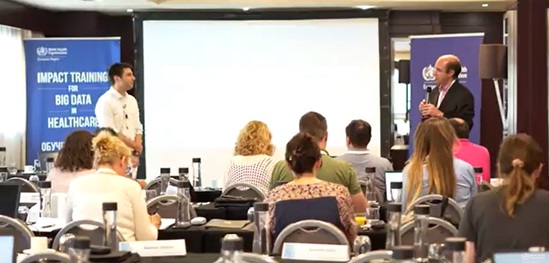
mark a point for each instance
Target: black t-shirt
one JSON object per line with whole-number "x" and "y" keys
{"x": 486, "y": 223}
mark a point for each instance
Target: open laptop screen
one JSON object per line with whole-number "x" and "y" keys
{"x": 7, "y": 245}
{"x": 389, "y": 178}
{"x": 9, "y": 199}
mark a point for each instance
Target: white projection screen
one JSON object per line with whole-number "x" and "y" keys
{"x": 204, "y": 80}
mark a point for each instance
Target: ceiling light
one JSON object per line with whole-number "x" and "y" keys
{"x": 484, "y": 5}
{"x": 129, "y": 10}
{"x": 364, "y": 7}
{"x": 245, "y": 9}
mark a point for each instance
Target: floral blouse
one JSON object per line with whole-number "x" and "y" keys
{"x": 307, "y": 191}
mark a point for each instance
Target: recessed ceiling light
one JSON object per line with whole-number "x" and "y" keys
{"x": 364, "y": 7}
{"x": 484, "y": 5}
{"x": 129, "y": 10}
{"x": 245, "y": 9}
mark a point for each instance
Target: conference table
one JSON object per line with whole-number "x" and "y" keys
{"x": 203, "y": 258}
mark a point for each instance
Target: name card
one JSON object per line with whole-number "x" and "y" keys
{"x": 159, "y": 248}
{"x": 315, "y": 252}
{"x": 29, "y": 198}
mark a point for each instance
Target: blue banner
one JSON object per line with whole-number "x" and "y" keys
{"x": 65, "y": 77}
{"x": 424, "y": 51}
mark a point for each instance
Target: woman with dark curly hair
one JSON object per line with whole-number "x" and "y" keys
{"x": 73, "y": 160}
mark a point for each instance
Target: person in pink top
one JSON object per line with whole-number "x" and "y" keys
{"x": 472, "y": 153}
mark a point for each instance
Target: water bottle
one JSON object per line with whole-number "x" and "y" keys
{"x": 421, "y": 224}
{"x": 197, "y": 172}
{"x": 3, "y": 157}
{"x": 232, "y": 249}
{"x": 261, "y": 243}
{"x": 79, "y": 252}
{"x": 45, "y": 193}
{"x": 33, "y": 178}
{"x": 456, "y": 246}
{"x": 49, "y": 164}
{"x": 183, "y": 219}
{"x": 109, "y": 220}
{"x": 164, "y": 180}
{"x": 3, "y": 174}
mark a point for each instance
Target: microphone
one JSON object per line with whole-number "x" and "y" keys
{"x": 427, "y": 94}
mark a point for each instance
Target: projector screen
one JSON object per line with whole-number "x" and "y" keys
{"x": 204, "y": 80}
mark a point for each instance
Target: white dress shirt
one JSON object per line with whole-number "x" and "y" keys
{"x": 119, "y": 112}
{"x": 87, "y": 194}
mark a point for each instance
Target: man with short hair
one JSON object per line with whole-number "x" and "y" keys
{"x": 331, "y": 170}
{"x": 359, "y": 134}
{"x": 118, "y": 110}
{"x": 449, "y": 99}
{"x": 474, "y": 154}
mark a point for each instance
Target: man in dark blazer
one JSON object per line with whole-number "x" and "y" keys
{"x": 449, "y": 99}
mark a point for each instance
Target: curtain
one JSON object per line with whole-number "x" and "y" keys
{"x": 13, "y": 94}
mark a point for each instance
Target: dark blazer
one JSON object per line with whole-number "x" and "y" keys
{"x": 457, "y": 103}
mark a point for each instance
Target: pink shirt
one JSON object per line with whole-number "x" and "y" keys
{"x": 60, "y": 180}
{"x": 474, "y": 154}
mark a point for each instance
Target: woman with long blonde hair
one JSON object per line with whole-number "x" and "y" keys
{"x": 252, "y": 162}
{"x": 514, "y": 216}
{"x": 432, "y": 168}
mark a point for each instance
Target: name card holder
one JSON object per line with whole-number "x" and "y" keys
{"x": 29, "y": 198}
{"x": 315, "y": 252}
{"x": 159, "y": 248}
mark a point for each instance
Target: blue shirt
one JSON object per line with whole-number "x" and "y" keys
{"x": 465, "y": 177}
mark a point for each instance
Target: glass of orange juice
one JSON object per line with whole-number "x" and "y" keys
{"x": 360, "y": 218}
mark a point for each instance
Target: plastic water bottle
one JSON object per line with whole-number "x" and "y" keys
{"x": 34, "y": 179}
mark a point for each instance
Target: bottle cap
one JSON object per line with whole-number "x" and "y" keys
{"x": 44, "y": 184}
{"x": 261, "y": 207}
{"x": 370, "y": 170}
{"x": 183, "y": 170}
{"x": 394, "y": 207}
{"x": 2, "y": 149}
{"x": 183, "y": 184}
{"x": 3, "y": 169}
{"x": 165, "y": 170}
{"x": 232, "y": 242}
{"x": 110, "y": 206}
{"x": 478, "y": 170}
{"x": 196, "y": 160}
{"x": 50, "y": 159}
{"x": 81, "y": 242}
{"x": 395, "y": 185}
{"x": 455, "y": 243}
{"x": 403, "y": 252}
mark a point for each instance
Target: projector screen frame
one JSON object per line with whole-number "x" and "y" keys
{"x": 385, "y": 59}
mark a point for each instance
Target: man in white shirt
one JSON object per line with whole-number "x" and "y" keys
{"x": 119, "y": 110}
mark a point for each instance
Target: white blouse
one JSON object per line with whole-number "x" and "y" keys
{"x": 255, "y": 170}
{"x": 87, "y": 194}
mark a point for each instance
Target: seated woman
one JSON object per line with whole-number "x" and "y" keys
{"x": 512, "y": 217}
{"x": 73, "y": 160}
{"x": 303, "y": 158}
{"x": 109, "y": 184}
{"x": 433, "y": 169}
{"x": 252, "y": 162}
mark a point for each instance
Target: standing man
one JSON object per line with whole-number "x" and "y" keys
{"x": 449, "y": 99}
{"x": 118, "y": 110}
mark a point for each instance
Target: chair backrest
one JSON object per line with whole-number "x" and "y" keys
{"x": 48, "y": 257}
{"x": 88, "y": 228}
{"x": 373, "y": 255}
{"x": 438, "y": 231}
{"x": 166, "y": 206}
{"x": 311, "y": 232}
{"x": 155, "y": 184}
{"x": 23, "y": 234}
{"x": 453, "y": 212}
{"x": 26, "y": 185}
{"x": 287, "y": 212}
{"x": 244, "y": 190}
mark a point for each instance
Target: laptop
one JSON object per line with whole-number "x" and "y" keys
{"x": 521, "y": 257}
{"x": 390, "y": 177}
{"x": 7, "y": 245}
{"x": 9, "y": 199}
